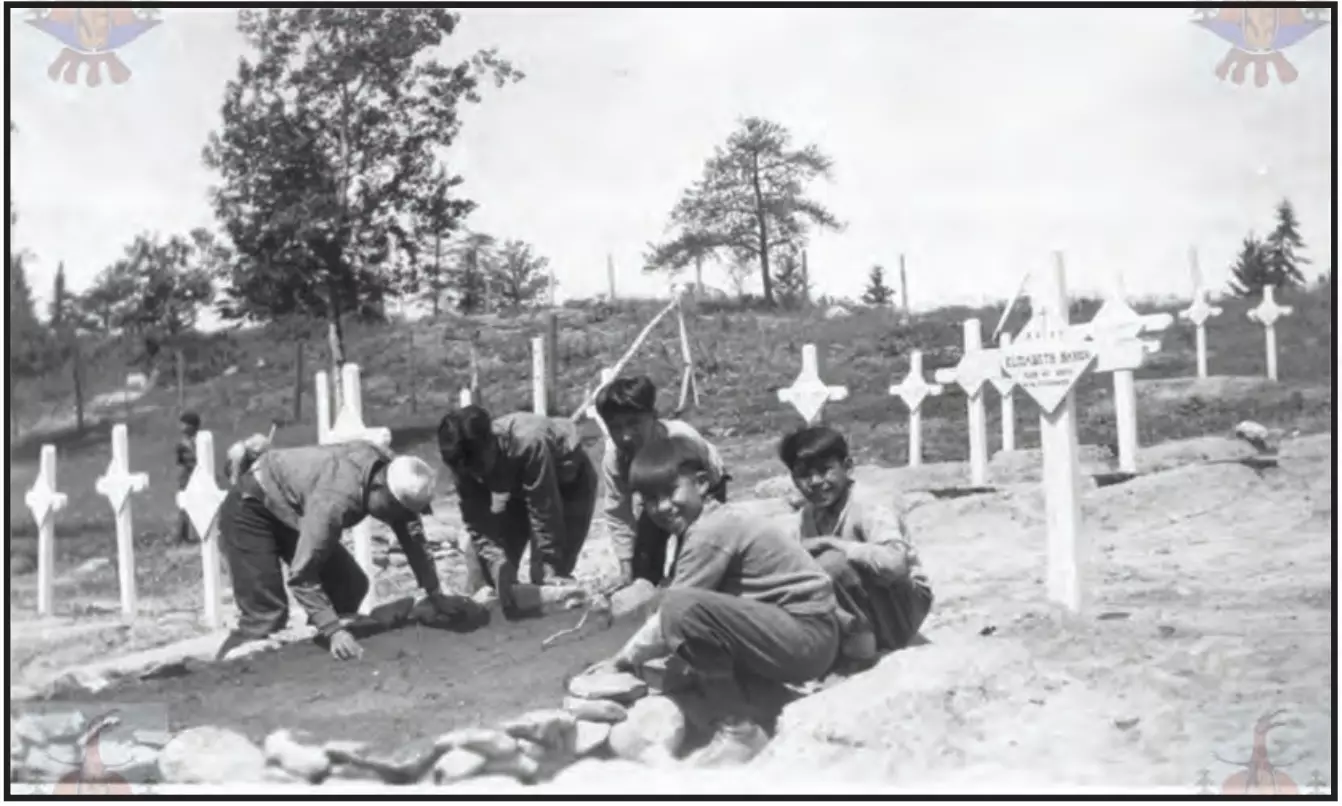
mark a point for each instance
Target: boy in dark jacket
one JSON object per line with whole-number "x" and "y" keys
{"x": 861, "y": 541}
{"x": 292, "y": 508}
{"x": 629, "y": 408}
{"x": 521, "y": 479}
{"x": 186, "y": 465}
{"x": 746, "y": 602}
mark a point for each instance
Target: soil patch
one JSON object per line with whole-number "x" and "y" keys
{"x": 411, "y": 685}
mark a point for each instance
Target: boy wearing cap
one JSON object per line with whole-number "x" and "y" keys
{"x": 291, "y": 508}
{"x": 186, "y": 465}
{"x": 629, "y": 408}
{"x": 521, "y": 479}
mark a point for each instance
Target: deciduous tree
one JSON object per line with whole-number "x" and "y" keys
{"x": 523, "y": 276}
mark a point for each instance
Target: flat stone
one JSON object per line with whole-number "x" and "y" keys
{"x": 608, "y": 711}
{"x": 553, "y": 729}
{"x": 590, "y": 737}
{"x": 343, "y": 751}
{"x": 211, "y": 755}
{"x": 492, "y": 744}
{"x": 519, "y": 765}
{"x": 457, "y": 764}
{"x": 634, "y": 602}
{"x": 306, "y": 761}
{"x": 622, "y": 687}
{"x": 654, "y": 731}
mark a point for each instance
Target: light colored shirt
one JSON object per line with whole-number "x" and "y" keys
{"x": 875, "y": 528}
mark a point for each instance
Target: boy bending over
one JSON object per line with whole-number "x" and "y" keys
{"x": 745, "y": 604}
{"x": 860, "y": 541}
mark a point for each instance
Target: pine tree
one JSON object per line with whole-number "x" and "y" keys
{"x": 877, "y": 292}
{"x": 1282, "y": 261}
{"x": 789, "y": 283}
{"x": 1251, "y": 270}
{"x": 29, "y": 346}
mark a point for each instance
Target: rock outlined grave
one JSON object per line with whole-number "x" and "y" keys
{"x": 117, "y": 485}
{"x": 808, "y": 394}
{"x": 1266, "y": 314}
{"x": 43, "y": 501}
{"x": 914, "y": 391}
{"x": 200, "y": 501}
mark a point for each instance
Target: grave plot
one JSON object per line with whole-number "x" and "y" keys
{"x": 411, "y": 685}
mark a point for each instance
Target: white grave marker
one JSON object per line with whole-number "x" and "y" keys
{"x": 464, "y": 398}
{"x": 977, "y": 367}
{"x": 1117, "y": 321}
{"x": 44, "y": 502}
{"x": 200, "y": 500}
{"x": 1266, "y": 314}
{"x": 1199, "y": 312}
{"x": 538, "y": 376}
{"x": 914, "y": 390}
{"x": 323, "y": 408}
{"x": 1006, "y": 389}
{"x": 808, "y": 394}
{"x": 349, "y": 427}
{"x": 117, "y": 485}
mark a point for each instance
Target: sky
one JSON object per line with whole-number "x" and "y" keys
{"x": 973, "y": 142}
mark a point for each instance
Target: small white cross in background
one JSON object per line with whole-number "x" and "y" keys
{"x": 117, "y": 485}
{"x": 1266, "y": 314}
{"x": 200, "y": 500}
{"x": 808, "y": 394}
{"x": 914, "y": 390}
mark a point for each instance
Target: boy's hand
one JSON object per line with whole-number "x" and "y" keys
{"x": 344, "y": 647}
{"x": 819, "y": 545}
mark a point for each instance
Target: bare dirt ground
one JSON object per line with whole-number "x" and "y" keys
{"x": 1211, "y": 585}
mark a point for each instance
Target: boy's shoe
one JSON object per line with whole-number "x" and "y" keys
{"x": 734, "y": 742}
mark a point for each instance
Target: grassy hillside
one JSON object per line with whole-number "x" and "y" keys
{"x": 742, "y": 359}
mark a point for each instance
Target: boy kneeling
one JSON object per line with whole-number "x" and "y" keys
{"x": 861, "y": 542}
{"x": 746, "y": 604}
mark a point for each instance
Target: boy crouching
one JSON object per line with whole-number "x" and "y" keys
{"x": 861, "y": 542}
{"x": 745, "y": 604}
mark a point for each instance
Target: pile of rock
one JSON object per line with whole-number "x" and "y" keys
{"x": 46, "y": 744}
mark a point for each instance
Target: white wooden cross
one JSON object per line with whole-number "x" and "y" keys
{"x": 323, "y": 408}
{"x": 349, "y": 427}
{"x": 1266, "y": 314}
{"x": 117, "y": 485}
{"x": 914, "y": 390}
{"x": 200, "y": 500}
{"x": 1199, "y": 312}
{"x": 538, "y": 376}
{"x": 1047, "y": 359}
{"x": 464, "y": 398}
{"x": 977, "y": 367}
{"x": 44, "y": 502}
{"x": 1117, "y": 321}
{"x": 808, "y": 394}
{"x": 1006, "y": 388}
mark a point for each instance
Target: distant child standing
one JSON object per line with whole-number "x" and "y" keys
{"x": 861, "y": 541}
{"x": 186, "y": 465}
{"x": 628, "y": 406}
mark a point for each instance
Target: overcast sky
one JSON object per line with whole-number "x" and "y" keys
{"x": 972, "y": 141}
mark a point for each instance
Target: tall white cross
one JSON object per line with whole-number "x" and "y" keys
{"x": 323, "y": 384}
{"x": 117, "y": 485}
{"x": 200, "y": 500}
{"x": 349, "y": 427}
{"x": 1199, "y": 311}
{"x": 914, "y": 390}
{"x": 808, "y": 394}
{"x": 44, "y": 502}
{"x": 1006, "y": 388}
{"x": 1266, "y": 314}
{"x": 538, "y": 404}
{"x": 1117, "y": 321}
{"x": 976, "y": 368}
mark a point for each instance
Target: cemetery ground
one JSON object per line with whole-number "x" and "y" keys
{"x": 1211, "y": 573}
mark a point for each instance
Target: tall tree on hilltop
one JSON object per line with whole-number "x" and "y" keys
{"x": 1251, "y": 270}
{"x": 690, "y": 248}
{"x": 877, "y": 292}
{"x": 337, "y": 123}
{"x": 438, "y": 218}
{"x": 523, "y": 276}
{"x": 750, "y": 201}
{"x": 66, "y": 320}
{"x": 1282, "y": 261}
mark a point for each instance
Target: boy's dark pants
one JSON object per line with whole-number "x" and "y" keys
{"x": 578, "y": 499}
{"x": 735, "y": 644}
{"x": 256, "y": 543}
{"x": 894, "y": 612}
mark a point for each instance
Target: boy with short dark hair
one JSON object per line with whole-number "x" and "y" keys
{"x": 186, "y": 465}
{"x": 628, "y": 406}
{"x": 860, "y": 541}
{"x": 521, "y": 479}
{"x": 746, "y": 602}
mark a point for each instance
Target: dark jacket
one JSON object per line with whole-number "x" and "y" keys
{"x": 320, "y": 491}
{"x": 537, "y": 454}
{"x": 186, "y": 459}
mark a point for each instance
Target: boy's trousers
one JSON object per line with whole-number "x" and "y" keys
{"x": 894, "y": 611}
